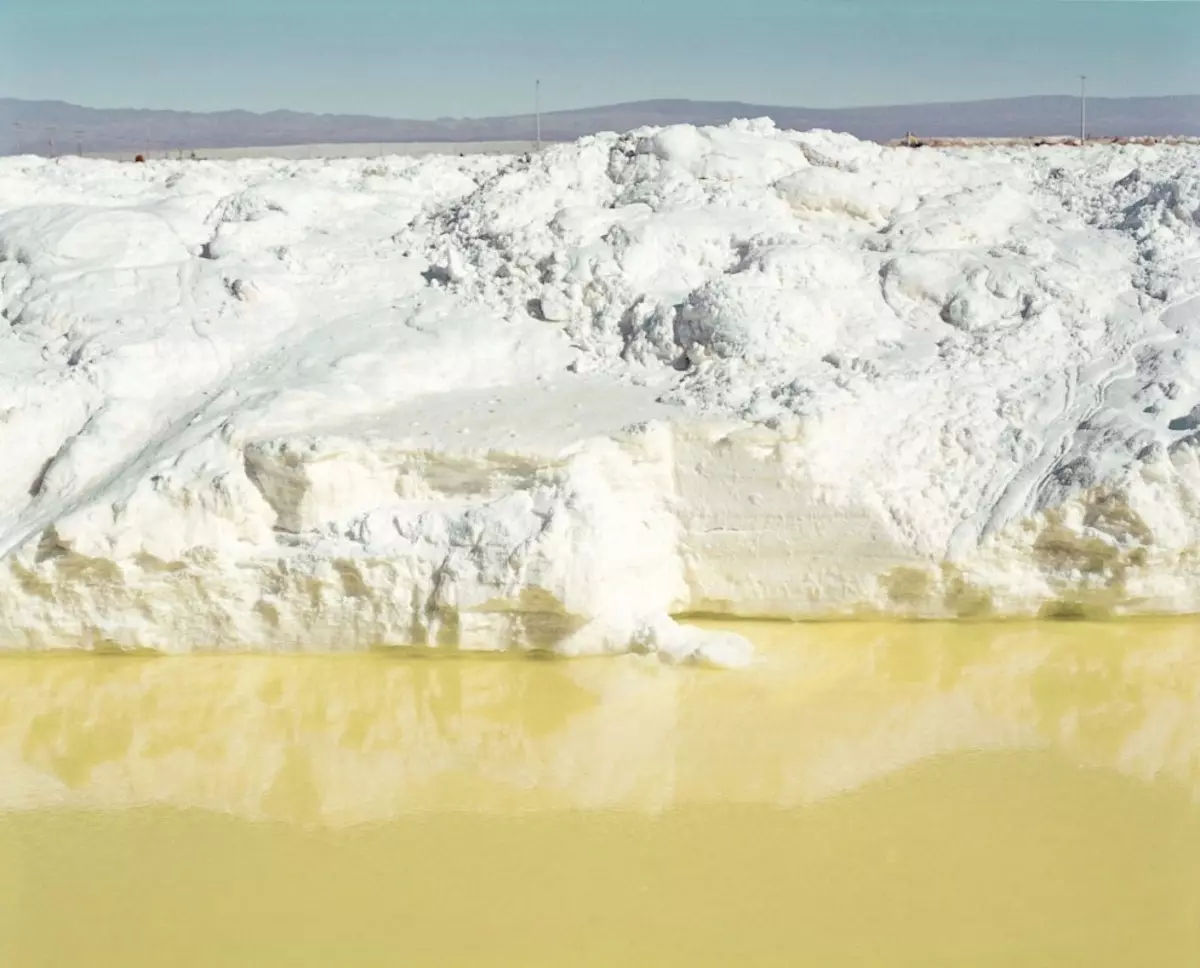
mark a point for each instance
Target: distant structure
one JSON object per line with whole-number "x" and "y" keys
{"x": 910, "y": 140}
{"x": 537, "y": 111}
{"x": 1082, "y": 109}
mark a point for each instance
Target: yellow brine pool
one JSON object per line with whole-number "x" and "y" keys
{"x": 866, "y": 795}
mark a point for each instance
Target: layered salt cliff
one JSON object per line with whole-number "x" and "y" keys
{"x": 491, "y": 402}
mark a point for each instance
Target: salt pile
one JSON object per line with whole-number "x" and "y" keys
{"x": 488, "y": 403}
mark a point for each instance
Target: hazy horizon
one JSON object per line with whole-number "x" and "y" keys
{"x": 403, "y": 59}
{"x": 42, "y": 127}
{"x": 574, "y": 108}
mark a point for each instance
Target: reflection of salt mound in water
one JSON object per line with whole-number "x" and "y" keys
{"x": 486, "y": 402}
{"x": 346, "y": 740}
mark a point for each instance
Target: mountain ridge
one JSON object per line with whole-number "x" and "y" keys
{"x": 31, "y": 126}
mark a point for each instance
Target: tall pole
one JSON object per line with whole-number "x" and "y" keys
{"x": 537, "y": 111}
{"x": 1082, "y": 109}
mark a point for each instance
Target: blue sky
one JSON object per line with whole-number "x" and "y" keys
{"x": 430, "y": 58}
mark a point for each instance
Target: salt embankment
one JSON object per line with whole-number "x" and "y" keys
{"x": 489, "y": 402}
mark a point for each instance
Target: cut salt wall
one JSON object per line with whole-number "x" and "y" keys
{"x": 559, "y": 402}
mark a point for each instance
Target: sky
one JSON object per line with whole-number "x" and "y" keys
{"x": 471, "y": 58}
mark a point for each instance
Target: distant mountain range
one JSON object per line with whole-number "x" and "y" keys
{"x": 31, "y": 126}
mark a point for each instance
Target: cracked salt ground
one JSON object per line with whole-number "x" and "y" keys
{"x": 489, "y": 403}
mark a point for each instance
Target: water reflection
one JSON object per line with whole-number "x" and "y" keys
{"x": 345, "y": 740}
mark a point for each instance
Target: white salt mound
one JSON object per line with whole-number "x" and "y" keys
{"x": 484, "y": 403}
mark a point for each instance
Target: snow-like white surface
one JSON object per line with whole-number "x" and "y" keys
{"x": 485, "y": 403}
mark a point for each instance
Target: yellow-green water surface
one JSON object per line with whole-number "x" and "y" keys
{"x": 867, "y": 795}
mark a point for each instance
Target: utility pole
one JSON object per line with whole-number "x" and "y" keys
{"x": 1082, "y": 109}
{"x": 537, "y": 111}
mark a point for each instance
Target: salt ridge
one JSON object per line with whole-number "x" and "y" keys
{"x": 489, "y": 403}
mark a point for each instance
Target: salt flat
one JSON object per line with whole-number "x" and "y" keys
{"x": 490, "y": 402}
{"x": 407, "y": 149}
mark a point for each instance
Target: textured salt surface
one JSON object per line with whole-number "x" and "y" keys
{"x": 487, "y": 403}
